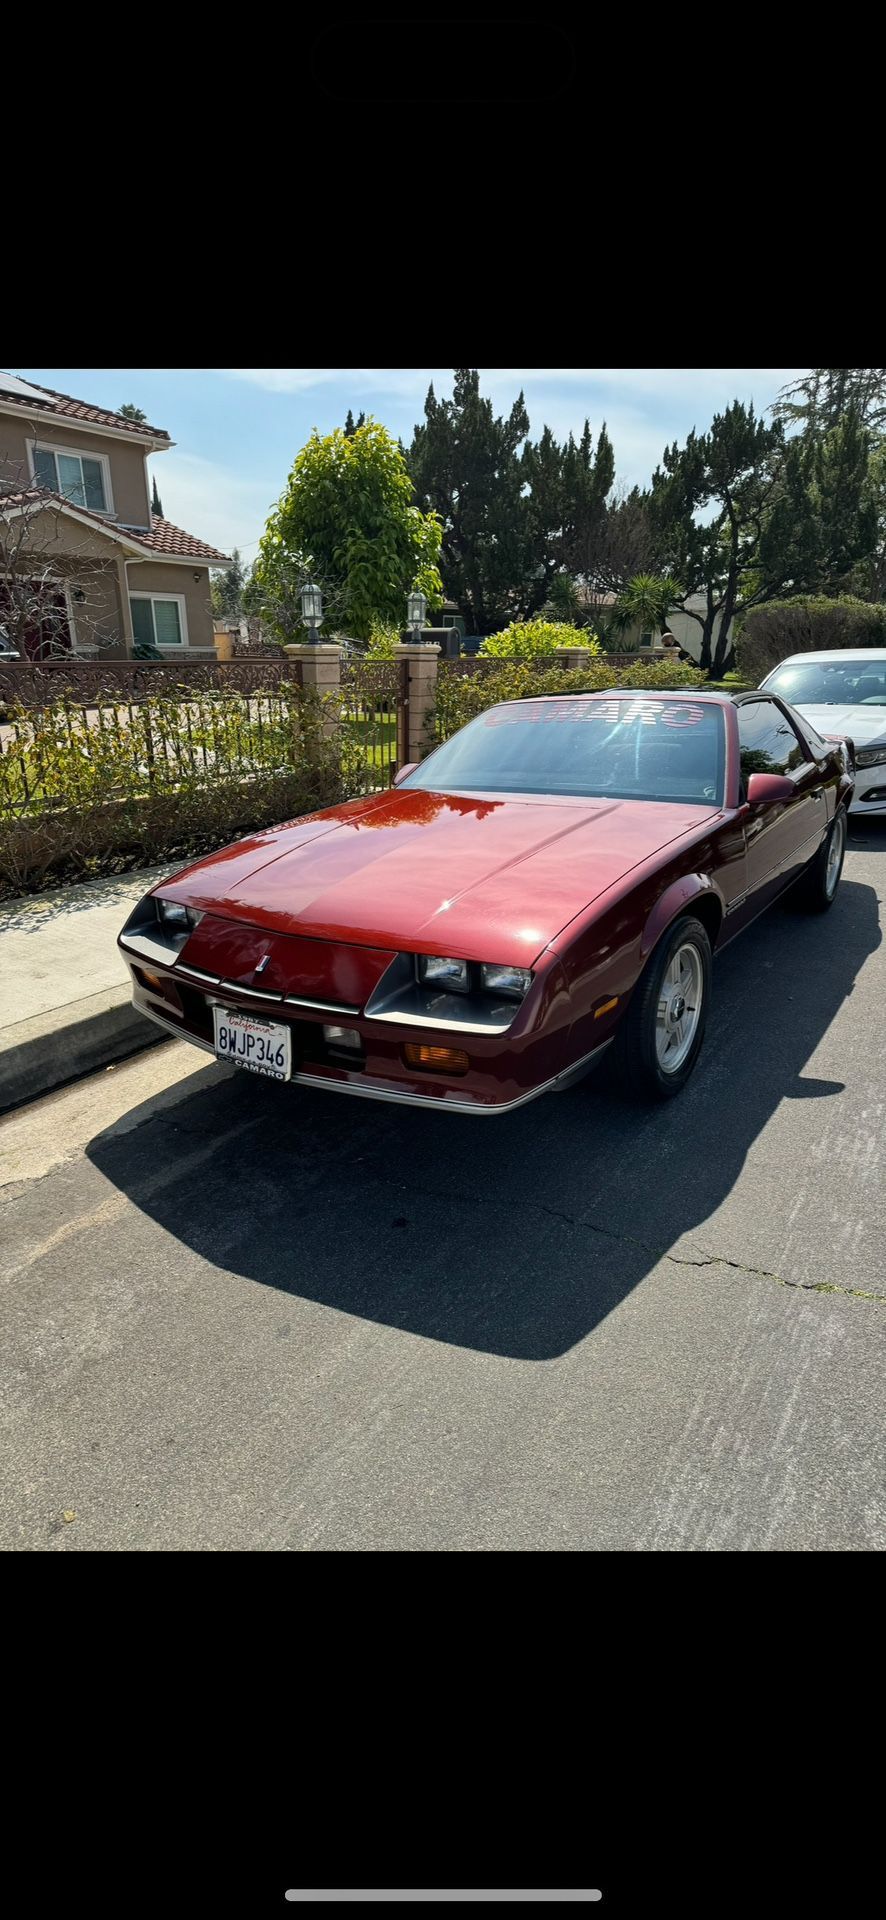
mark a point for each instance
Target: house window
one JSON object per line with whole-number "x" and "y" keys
{"x": 81, "y": 478}
{"x": 159, "y": 618}
{"x": 645, "y": 639}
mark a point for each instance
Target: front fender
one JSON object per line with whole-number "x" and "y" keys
{"x": 675, "y": 900}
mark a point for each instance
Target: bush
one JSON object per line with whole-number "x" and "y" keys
{"x": 382, "y": 641}
{"x": 165, "y": 780}
{"x": 461, "y": 696}
{"x": 527, "y": 639}
{"x": 805, "y": 625}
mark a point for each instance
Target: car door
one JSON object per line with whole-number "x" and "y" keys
{"x": 780, "y": 837}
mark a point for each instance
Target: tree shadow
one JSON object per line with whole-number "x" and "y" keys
{"x": 512, "y": 1236}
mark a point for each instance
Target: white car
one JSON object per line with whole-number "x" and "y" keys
{"x": 843, "y": 692}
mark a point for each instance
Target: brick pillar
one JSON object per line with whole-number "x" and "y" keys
{"x": 422, "y": 692}
{"x": 573, "y": 657}
{"x": 321, "y": 669}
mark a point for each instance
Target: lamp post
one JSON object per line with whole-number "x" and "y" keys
{"x": 311, "y": 611}
{"x": 416, "y": 608}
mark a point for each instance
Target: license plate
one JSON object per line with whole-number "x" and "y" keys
{"x": 263, "y": 1046}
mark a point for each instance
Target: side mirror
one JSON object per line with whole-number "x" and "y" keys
{"x": 765, "y": 789}
{"x": 401, "y": 773}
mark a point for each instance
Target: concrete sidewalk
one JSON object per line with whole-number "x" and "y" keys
{"x": 65, "y": 1006}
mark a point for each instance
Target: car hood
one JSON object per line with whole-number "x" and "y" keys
{"x": 864, "y": 725}
{"x": 471, "y": 875}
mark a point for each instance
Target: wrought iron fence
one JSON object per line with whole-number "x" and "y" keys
{"x": 69, "y": 755}
{"x": 35, "y": 684}
{"x": 375, "y": 715}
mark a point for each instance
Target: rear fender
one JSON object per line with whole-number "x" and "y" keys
{"x": 680, "y": 897}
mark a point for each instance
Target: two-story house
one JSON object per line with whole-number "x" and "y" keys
{"x": 85, "y": 566}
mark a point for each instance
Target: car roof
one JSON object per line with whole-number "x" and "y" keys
{"x": 835, "y": 653}
{"x": 648, "y": 693}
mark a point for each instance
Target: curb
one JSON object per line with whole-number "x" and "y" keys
{"x": 40, "y": 1054}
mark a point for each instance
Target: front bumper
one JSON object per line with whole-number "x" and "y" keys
{"x": 449, "y": 1096}
{"x": 515, "y": 1052}
{"x": 869, "y": 780}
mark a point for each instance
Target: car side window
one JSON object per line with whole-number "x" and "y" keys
{"x": 767, "y": 741}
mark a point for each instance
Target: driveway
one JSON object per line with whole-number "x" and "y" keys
{"x": 244, "y": 1316}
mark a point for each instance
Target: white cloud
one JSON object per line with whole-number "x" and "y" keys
{"x": 211, "y": 501}
{"x": 662, "y": 382}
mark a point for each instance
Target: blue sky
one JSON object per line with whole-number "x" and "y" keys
{"x": 237, "y": 430}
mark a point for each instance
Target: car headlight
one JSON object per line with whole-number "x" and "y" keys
{"x": 435, "y": 971}
{"x": 514, "y": 981}
{"x": 871, "y": 756}
{"x": 175, "y": 918}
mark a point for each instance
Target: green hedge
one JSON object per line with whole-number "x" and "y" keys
{"x": 806, "y": 625}
{"x": 525, "y": 639}
{"x": 166, "y": 780}
{"x": 461, "y": 696}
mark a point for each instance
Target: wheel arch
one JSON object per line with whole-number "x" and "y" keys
{"x": 694, "y": 893}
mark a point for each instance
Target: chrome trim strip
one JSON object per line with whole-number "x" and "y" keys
{"x": 205, "y": 979}
{"x": 318, "y": 1006}
{"x": 376, "y": 1093}
{"x": 254, "y": 993}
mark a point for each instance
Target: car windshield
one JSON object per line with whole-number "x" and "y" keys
{"x": 826, "y": 683}
{"x": 624, "y": 747}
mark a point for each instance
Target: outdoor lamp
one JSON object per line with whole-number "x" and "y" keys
{"x": 416, "y": 608}
{"x": 311, "y": 610}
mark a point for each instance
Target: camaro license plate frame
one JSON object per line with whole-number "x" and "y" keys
{"x": 266, "y": 1044}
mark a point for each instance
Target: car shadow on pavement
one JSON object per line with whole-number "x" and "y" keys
{"x": 511, "y": 1236}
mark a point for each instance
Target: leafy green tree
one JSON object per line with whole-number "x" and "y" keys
{"x": 740, "y": 516}
{"x": 155, "y": 501}
{"x": 511, "y": 509}
{"x": 646, "y": 602}
{"x": 348, "y": 518}
{"x": 821, "y": 398}
{"x": 707, "y": 506}
{"x": 834, "y": 409}
{"x": 227, "y": 588}
{"x": 129, "y": 412}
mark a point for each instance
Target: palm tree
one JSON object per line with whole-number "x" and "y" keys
{"x": 645, "y": 603}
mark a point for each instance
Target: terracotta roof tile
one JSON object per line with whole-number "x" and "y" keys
{"x": 163, "y": 537}
{"x": 63, "y": 406}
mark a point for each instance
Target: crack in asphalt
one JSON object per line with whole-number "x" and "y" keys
{"x": 16, "y": 1190}
{"x": 675, "y": 1259}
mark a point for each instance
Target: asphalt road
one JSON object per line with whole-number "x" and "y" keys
{"x": 237, "y": 1315}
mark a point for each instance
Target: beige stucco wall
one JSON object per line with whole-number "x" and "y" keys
{"x": 129, "y": 486}
{"x": 88, "y": 563}
{"x": 157, "y": 576}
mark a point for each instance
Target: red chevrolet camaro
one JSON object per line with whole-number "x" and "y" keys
{"x": 552, "y": 880}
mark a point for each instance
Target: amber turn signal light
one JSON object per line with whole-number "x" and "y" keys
{"x": 147, "y": 979}
{"x": 606, "y": 1007}
{"x": 437, "y": 1059}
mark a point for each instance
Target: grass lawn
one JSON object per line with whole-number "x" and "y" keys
{"x": 375, "y": 733}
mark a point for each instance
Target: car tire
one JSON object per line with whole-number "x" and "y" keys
{"x": 679, "y": 969}
{"x": 817, "y": 890}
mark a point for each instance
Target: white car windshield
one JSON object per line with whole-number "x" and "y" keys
{"x": 854, "y": 682}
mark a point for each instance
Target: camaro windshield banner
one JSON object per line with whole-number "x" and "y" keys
{"x": 647, "y": 713}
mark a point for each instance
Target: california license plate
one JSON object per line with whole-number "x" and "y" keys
{"x": 264, "y": 1046}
